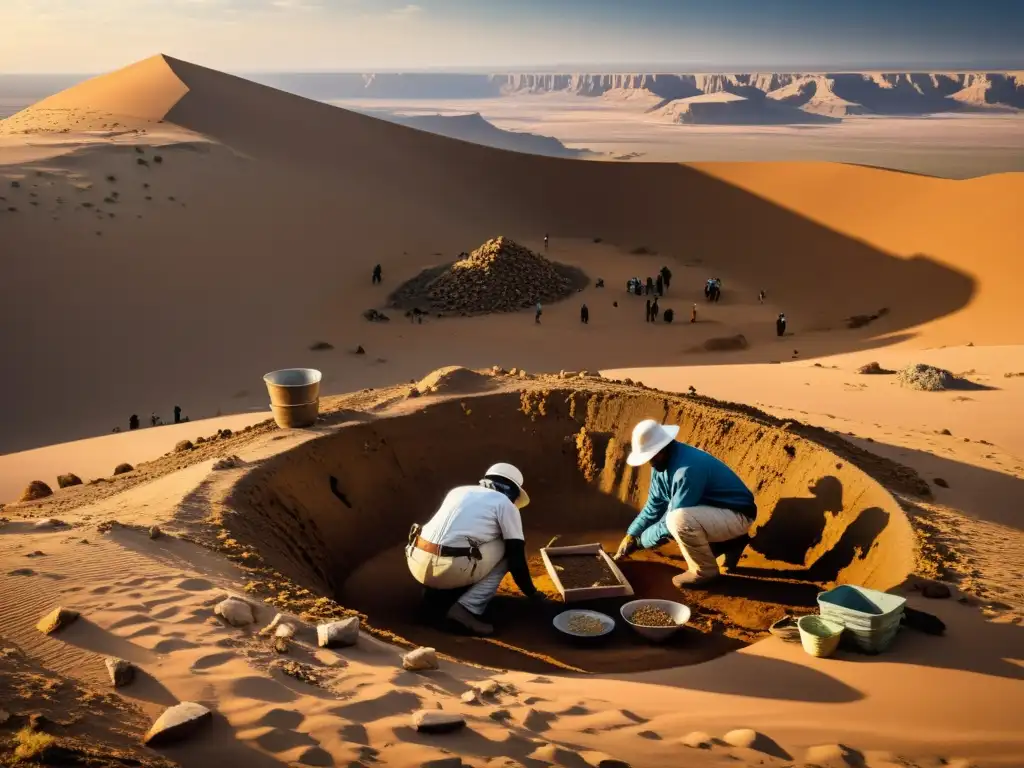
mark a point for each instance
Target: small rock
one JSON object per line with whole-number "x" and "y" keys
{"x": 183, "y": 445}
{"x": 945, "y": 432}
{"x": 500, "y": 715}
{"x": 178, "y": 722}
{"x": 155, "y": 532}
{"x": 940, "y": 482}
{"x": 68, "y": 480}
{"x": 935, "y": 590}
{"x": 56, "y": 620}
{"x": 123, "y": 468}
{"x": 37, "y": 721}
{"x": 420, "y": 660}
{"x": 286, "y": 631}
{"x": 832, "y": 756}
{"x": 360, "y": 350}
{"x": 697, "y": 740}
{"x": 281, "y": 644}
{"x": 121, "y": 672}
{"x": 338, "y": 633}
{"x": 49, "y": 522}
{"x": 435, "y": 721}
{"x": 272, "y": 627}
{"x": 472, "y": 696}
{"x": 489, "y": 688}
{"x": 235, "y": 612}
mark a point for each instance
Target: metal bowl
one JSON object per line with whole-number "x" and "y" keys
{"x": 561, "y": 622}
{"x": 679, "y": 613}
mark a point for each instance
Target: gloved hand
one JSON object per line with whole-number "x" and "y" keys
{"x": 627, "y": 546}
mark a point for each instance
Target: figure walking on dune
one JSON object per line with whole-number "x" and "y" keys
{"x": 539, "y": 310}
{"x": 694, "y": 498}
{"x": 761, "y": 296}
{"x": 650, "y": 285}
{"x": 133, "y": 421}
{"x": 177, "y": 414}
{"x": 666, "y": 275}
{"x": 545, "y": 242}
{"x": 471, "y": 542}
{"x": 693, "y": 314}
{"x": 376, "y": 274}
{"x": 584, "y": 315}
{"x": 780, "y": 325}
{"x": 648, "y": 317}
{"x": 659, "y": 285}
{"x": 655, "y": 310}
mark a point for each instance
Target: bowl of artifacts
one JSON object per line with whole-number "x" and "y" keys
{"x": 582, "y": 624}
{"x": 655, "y": 620}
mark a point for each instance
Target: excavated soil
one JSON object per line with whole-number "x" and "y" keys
{"x": 332, "y": 514}
{"x": 577, "y": 571}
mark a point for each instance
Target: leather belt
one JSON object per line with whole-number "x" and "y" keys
{"x": 442, "y": 551}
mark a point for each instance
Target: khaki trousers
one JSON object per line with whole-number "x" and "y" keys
{"x": 694, "y": 528}
{"x": 482, "y": 576}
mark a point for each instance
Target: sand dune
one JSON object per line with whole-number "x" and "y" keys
{"x": 260, "y": 225}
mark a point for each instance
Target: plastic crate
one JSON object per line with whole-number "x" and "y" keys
{"x": 871, "y": 618}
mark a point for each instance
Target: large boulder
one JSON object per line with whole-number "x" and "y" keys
{"x": 176, "y": 723}
{"x": 68, "y": 480}
{"x": 235, "y": 612}
{"x": 35, "y": 490}
{"x": 338, "y": 634}
{"x": 123, "y": 468}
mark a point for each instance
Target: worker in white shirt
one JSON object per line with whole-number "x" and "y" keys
{"x": 472, "y": 541}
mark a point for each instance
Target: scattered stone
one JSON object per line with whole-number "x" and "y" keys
{"x": 235, "y": 612}
{"x": 697, "y": 740}
{"x": 35, "y": 490}
{"x": 155, "y": 532}
{"x": 435, "y": 721}
{"x": 945, "y": 432}
{"x": 940, "y": 482}
{"x": 472, "y": 696}
{"x": 123, "y": 468}
{"x": 376, "y": 317}
{"x": 873, "y": 369}
{"x": 420, "y": 660}
{"x": 832, "y": 756}
{"x": 413, "y": 392}
{"x": 748, "y": 738}
{"x": 48, "y": 523}
{"x": 304, "y": 673}
{"x": 228, "y": 462}
{"x": 183, "y": 445}
{"x": 360, "y": 350}
{"x": 500, "y": 715}
{"x": 56, "y": 620}
{"x": 281, "y": 644}
{"x": 177, "y": 722}
{"x": 121, "y": 672}
{"x": 489, "y": 688}
{"x": 68, "y": 480}
{"x": 338, "y": 634}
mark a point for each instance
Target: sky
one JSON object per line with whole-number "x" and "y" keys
{"x": 92, "y": 36}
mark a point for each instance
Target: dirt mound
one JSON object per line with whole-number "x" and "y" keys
{"x": 332, "y": 515}
{"x": 727, "y": 343}
{"x": 873, "y": 369}
{"x": 453, "y": 380}
{"x": 499, "y": 276}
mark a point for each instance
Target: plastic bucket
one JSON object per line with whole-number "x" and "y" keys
{"x": 872, "y": 618}
{"x": 296, "y": 416}
{"x": 293, "y": 386}
{"x": 819, "y": 636}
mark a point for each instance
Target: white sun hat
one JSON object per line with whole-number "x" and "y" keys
{"x": 649, "y": 437}
{"x": 513, "y": 475}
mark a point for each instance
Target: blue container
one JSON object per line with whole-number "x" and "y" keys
{"x": 871, "y": 618}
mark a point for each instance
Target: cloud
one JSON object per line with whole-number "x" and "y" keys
{"x": 406, "y": 11}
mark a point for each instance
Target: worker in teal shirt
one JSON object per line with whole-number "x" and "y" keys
{"x": 694, "y": 498}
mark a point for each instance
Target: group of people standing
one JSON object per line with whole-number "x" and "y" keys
{"x": 713, "y": 289}
{"x": 154, "y": 420}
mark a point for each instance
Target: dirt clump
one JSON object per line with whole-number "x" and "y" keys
{"x": 453, "y": 380}
{"x": 873, "y": 369}
{"x": 499, "y": 276}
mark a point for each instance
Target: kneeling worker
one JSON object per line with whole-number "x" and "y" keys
{"x": 473, "y": 540}
{"x": 694, "y": 498}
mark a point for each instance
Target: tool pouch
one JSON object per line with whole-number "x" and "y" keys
{"x": 414, "y": 533}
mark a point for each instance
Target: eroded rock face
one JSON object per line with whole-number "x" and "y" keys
{"x": 420, "y": 660}
{"x": 235, "y": 612}
{"x": 56, "y": 620}
{"x": 121, "y": 672}
{"x": 437, "y": 721}
{"x": 179, "y": 722}
{"x": 338, "y": 634}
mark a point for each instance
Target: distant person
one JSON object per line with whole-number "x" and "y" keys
{"x": 666, "y": 275}
{"x": 584, "y": 315}
{"x": 669, "y": 315}
{"x": 780, "y": 325}
{"x": 545, "y": 242}
{"x": 693, "y": 314}
{"x": 153, "y": 419}
{"x": 116, "y": 430}
{"x": 177, "y": 414}
{"x": 659, "y": 285}
{"x": 655, "y": 311}
{"x": 377, "y": 274}
{"x": 599, "y": 283}
{"x": 650, "y": 285}
{"x": 540, "y": 310}
{"x": 707, "y": 288}
{"x": 761, "y": 296}
{"x": 648, "y": 310}
{"x": 133, "y": 421}
{"x": 718, "y": 289}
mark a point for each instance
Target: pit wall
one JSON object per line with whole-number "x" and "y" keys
{"x": 319, "y": 510}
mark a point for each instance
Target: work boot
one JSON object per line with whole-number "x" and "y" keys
{"x": 691, "y": 579}
{"x": 465, "y": 618}
{"x": 728, "y": 553}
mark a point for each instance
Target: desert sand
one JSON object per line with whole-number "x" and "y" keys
{"x": 252, "y": 239}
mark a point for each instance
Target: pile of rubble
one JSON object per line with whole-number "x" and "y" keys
{"x": 499, "y": 276}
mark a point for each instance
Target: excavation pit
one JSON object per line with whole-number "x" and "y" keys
{"x": 332, "y": 516}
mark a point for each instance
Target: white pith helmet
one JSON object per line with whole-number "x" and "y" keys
{"x": 649, "y": 437}
{"x": 513, "y": 475}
